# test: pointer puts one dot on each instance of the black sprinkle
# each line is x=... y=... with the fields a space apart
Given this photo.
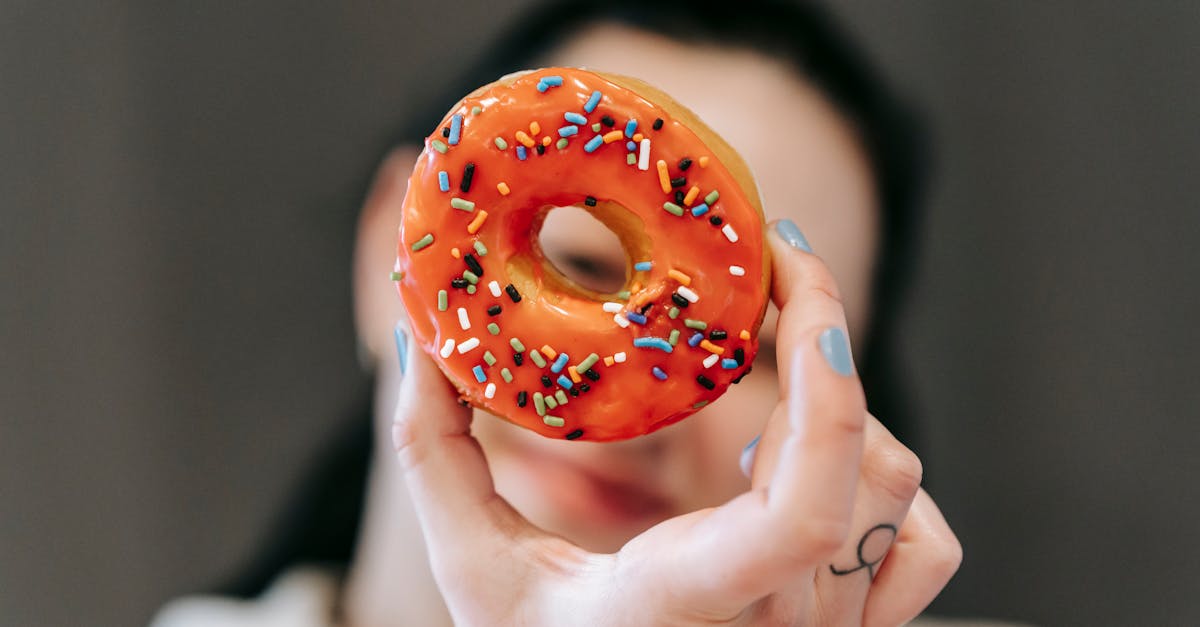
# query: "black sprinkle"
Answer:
x=680 y=301
x=679 y=196
x=679 y=181
x=546 y=382
x=468 y=174
x=446 y=131
x=522 y=398
x=717 y=335
x=513 y=293
x=657 y=123
x=518 y=359
x=473 y=264
x=715 y=220
x=608 y=121
x=685 y=163
x=591 y=374
x=585 y=388
x=575 y=435
x=705 y=381
x=458 y=283
x=590 y=201
x=741 y=376
x=575 y=392
x=646 y=308
x=739 y=355
x=494 y=310
x=463 y=401
x=541 y=150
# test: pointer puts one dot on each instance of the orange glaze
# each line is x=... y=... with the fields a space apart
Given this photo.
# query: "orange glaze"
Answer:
x=627 y=400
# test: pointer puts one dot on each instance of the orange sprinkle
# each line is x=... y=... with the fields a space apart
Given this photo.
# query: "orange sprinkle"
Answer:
x=638 y=137
x=613 y=136
x=549 y=352
x=712 y=348
x=663 y=179
x=683 y=279
x=525 y=139
x=480 y=216
x=454 y=253
x=546 y=140
x=608 y=361
x=502 y=187
x=704 y=161
x=571 y=370
x=534 y=128
x=745 y=335
x=691 y=196
x=635 y=287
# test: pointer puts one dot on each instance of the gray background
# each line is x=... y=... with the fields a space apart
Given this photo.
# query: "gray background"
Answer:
x=175 y=338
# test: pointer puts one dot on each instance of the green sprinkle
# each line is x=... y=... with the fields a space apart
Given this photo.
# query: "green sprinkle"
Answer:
x=553 y=421
x=397 y=276
x=623 y=295
x=674 y=337
x=561 y=397
x=517 y=345
x=596 y=127
x=439 y=146
x=587 y=363
x=537 y=358
x=470 y=289
x=459 y=203
x=550 y=402
x=493 y=328
x=480 y=248
x=476 y=110
x=673 y=313
x=712 y=197
x=501 y=144
x=673 y=208
x=539 y=403
x=506 y=375
x=561 y=143
x=471 y=277
x=443 y=300
x=489 y=358
x=423 y=242
x=694 y=324
x=699 y=404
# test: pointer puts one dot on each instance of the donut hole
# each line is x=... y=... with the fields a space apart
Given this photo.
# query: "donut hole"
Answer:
x=582 y=251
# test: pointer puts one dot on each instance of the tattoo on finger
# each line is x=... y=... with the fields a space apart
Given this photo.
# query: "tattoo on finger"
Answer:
x=872 y=548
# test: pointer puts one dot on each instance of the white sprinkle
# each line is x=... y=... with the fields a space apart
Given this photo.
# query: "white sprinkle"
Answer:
x=490 y=390
x=447 y=348
x=711 y=360
x=468 y=345
x=737 y=271
x=620 y=320
x=494 y=286
x=463 y=320
x=730 y=234
x=619 y=357
x=644 y=155
x=688 y=294
x=612 y=307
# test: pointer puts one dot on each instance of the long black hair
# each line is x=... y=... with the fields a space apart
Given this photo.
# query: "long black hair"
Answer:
x=322 y=523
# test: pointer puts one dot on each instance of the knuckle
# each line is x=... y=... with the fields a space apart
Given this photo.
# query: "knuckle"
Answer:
x=407 y=442
x=811 y=540
x=895 y=469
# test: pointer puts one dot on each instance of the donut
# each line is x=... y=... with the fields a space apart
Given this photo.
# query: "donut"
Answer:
x=514 y=335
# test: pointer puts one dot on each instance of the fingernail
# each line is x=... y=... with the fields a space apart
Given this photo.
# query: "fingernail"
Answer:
x=747 y=460
x=836 y=350
x=402 y=347
x=792 y=235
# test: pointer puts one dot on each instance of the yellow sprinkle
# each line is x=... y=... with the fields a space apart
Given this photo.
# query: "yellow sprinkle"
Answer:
x=534 y=128
x=480 y=216
x=525 y=139
x=691 y=196
x=608 y=361
x=546 y=140
x=745 y=335
x=663 y=179
x=712 y=348
x=638 y=137
x=454 y=252
x=574 y=374
x=683 y=279
x=613 y=136
x=704 y=161
x=502 y=187
x=549 y=352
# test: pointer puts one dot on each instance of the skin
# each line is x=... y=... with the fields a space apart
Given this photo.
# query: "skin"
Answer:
x=834 y=473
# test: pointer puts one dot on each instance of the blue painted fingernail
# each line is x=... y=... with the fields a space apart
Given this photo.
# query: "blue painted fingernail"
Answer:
x=792 y=235
x=746 y=462
x=402 y=347
x=836 y=350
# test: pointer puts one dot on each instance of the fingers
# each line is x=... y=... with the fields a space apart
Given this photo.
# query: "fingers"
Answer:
x=924 y=558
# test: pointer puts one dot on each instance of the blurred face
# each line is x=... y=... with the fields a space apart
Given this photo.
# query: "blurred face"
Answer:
x=809 y=168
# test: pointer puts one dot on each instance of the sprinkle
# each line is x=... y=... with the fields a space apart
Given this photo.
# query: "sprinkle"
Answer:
x=687 y=293
x=458 y=282
x=612 y=307
x=631 y=146
x=589 y=201
x=730 y=234
x=522 y=398
x=494 y=310
x=695 y=340
x=608 y=361
x=574 y=372
x=630 y=159
x=454 y=252
x=684 y=164
x=518 y=359
x=573 y=118
x=550 y=402
x=396 y=276
x=679 y=276
x=471 y=289
x=658 y=123
x=534 y=128
x=423 y=242
x=559 y=363
x=587 y=362
x=494 y=288
x=653 y=342
x=568 y=130
x=679 y=301
x=608 y=121
x=443 y=181
x=619 y=357
x=691 y=195
x=712 y=197
x=673 y=312
x=479 y=247
x=473 y=264
x=705 y=381
x=455 y=129
x=561 y=397
x=643 y=266
x=459 y=203
x=712 y=348
x=522 y=154
x=553 y=81
x=591 y=103
x=524 y=138
x=463 y=321
x=739 y=355
x=623 y=294
x=715 y=220
x=717 y=335
x=704 y=161
x=493 y=328
x=592 y=374
x=541 y=149
x=672 y=208
x=502 y=187
x=501 y=144
x=678 y=182
x=471 y=278
x=699 y=210
x=644 y=155
x=480 y=375
x=729 y=364
x=516 y=345
x=699 y=325
x=475 y=224
x=630 y=127
x=635 y=317
x=468 y=176
x=737 y=271
x=745 y=335
x=489 y=391
x=439 y=146
x=443 y=300
x=674 y=337
x=546 y=382
x=549 y=352
x=620 y=320
x=612 y=136
x=564 y=381
x=575 y=435
x=537 y=358
x=554 y=421
x=506 y=374
x=664 y=181
x=447 y=348
x=593 y=144
x=512 y=293
x=658 y=373
x=539 y=403
x=711 y=360
x=469 y=345
x=562 y=143
x=596 y=127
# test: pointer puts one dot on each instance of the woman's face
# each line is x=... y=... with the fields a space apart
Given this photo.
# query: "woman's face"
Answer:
x=809 y=168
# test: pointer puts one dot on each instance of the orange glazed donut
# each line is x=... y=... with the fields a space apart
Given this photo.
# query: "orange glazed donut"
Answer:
x=520 y=340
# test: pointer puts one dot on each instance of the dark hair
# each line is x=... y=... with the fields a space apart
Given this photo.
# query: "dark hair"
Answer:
x=322 y=524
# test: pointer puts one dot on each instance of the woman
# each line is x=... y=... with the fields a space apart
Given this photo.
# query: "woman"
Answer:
x=662 y=529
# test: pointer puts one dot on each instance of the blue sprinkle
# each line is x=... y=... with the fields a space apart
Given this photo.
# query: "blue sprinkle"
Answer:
x=553 y=81
x=700 y=210
x=521 y=153
x=568 y=130
x=695 y=339
x=643 y=266
x=590 y=105
x=455 y=130
x=729 y=364
x=542 y=86
x=631 y=146
x=559 y=363
x=636 y=317
x=653 y=342
x=564 y=381
x=630 y=127
x=575 y=118
x=658 y=373
x=593 y=144
x=479 y=375
x=443 y=181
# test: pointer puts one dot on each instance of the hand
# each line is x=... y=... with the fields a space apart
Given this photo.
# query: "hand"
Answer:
x=832 y=493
